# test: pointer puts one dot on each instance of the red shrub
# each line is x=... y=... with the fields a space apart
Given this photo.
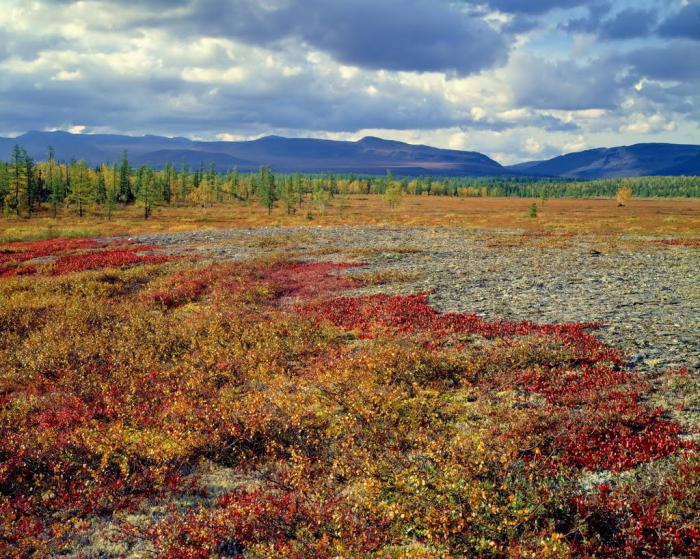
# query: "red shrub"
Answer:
x=21 y=252
x=14 y=271
x=284 y=522
x=104 y=259
x=617 y=525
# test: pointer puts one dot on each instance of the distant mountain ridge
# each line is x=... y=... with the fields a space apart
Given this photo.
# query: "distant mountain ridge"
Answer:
x=369 y=155
x=622 y=161
x=366 y=156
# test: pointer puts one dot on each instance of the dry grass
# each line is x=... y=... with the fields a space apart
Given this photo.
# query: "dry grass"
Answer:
x=599 y=216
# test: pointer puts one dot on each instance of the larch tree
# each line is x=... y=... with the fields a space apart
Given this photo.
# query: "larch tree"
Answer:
x=82 y=192
x=267 y=190
x=147 y=192
x=289 y=195
x=233 y=185
x=623 y=194
x=392 y=190
x=18 y=179
x=110 y=176
x=54 y=183
x=30 y=187
x=183 y=184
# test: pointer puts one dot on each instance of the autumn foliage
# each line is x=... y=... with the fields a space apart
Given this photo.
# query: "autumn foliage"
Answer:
x=345 y=426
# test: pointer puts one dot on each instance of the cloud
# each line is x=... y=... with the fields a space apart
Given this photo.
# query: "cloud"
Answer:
x=628 y=24
x=397 y=35
x=639 y=123
x=685 y=23
x=676 y=61
x=534 y=6
x=563 y=85
x=590 y=23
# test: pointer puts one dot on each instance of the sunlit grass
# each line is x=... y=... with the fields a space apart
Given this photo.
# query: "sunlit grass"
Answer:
x=599 y=216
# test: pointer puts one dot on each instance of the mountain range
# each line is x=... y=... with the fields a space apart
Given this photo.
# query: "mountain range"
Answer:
x=369 y=155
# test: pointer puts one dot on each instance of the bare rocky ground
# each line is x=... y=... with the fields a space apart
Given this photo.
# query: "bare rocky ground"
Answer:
x=646 y=295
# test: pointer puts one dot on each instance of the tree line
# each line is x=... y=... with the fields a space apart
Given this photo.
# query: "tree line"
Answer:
x=28 y=186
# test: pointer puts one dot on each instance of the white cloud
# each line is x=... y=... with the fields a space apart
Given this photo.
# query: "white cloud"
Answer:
x=644 y=124
x=576 y=144
x=530 y=145
x=67 y=76
x=213 y=75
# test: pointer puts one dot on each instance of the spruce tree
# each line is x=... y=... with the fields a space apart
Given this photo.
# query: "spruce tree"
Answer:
x=4 y=183
x=29 y=197
x=18 y=178
x=126 y=195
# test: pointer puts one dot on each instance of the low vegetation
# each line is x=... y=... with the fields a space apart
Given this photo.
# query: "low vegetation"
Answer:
x=368 y=426
x=28 y=188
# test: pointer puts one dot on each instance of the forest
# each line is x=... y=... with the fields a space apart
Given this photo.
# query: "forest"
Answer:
x=28 y=186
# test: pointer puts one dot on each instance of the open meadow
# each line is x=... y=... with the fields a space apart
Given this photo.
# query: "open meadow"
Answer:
x=670 y=217
x=446 y=378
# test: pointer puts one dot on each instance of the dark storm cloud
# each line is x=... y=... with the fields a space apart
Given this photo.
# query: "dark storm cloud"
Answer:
x=399 y=35
x=684 y=23
x=409 y=35
x=521 y=24
x=534 y=6
x=676 y=61
x=631 y=23
x=597 y=12
x=423 y=35
x=628 y=24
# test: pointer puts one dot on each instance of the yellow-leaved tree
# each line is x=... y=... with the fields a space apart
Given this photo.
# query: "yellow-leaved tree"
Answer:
x=624 y=193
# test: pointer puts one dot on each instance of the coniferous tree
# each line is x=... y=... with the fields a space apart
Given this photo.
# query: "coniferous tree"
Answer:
x=289 y=195
x=147 y=192
x=101 y=187
x=126 y=194
x=18 y=178
x=183 y=187
x=214 y=186
x=82 y=192
x=300 y=189
x=30 y=187
x=168 y=182
x=267 y=191
x=54 y=183
x=4 y=183
x=235 y=178
x=110 y=178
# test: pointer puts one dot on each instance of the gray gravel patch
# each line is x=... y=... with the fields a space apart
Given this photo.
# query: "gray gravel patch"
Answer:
x=648 y=298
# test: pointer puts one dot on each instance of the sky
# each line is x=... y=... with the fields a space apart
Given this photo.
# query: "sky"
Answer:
x=515 y=79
